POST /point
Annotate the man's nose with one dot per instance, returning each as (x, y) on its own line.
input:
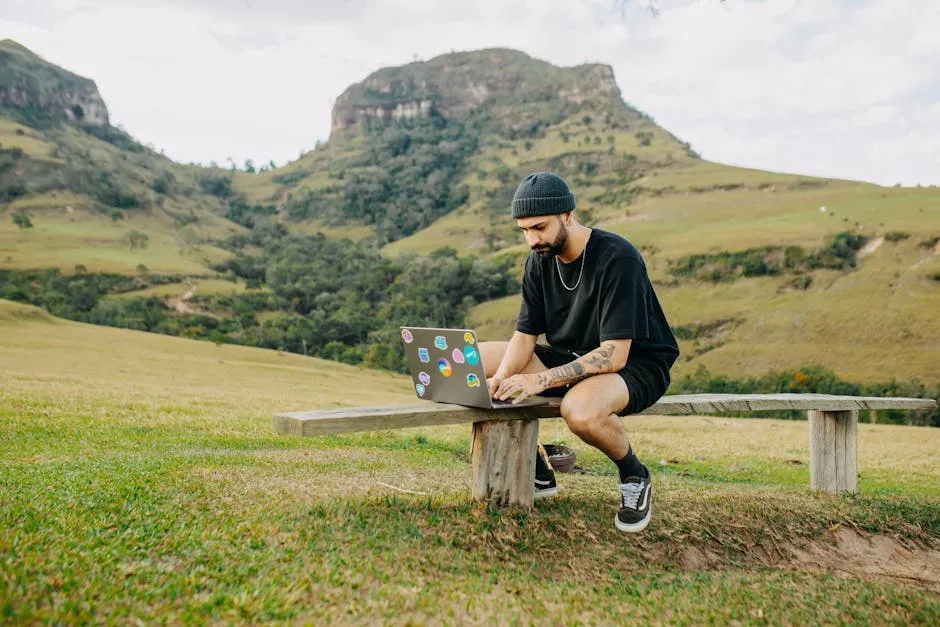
(531, 239)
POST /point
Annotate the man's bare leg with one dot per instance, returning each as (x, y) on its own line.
(491, 353)
(590, 409)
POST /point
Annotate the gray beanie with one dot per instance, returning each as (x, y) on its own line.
(540, 194)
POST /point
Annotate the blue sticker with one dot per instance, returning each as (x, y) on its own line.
(440, 342)
(419, 388)
(473, 357)
(423, 355)
(473, 380)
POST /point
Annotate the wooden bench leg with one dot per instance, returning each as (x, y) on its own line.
(503, 461)
(833, 450)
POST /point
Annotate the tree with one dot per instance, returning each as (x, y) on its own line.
(136, 239)
(21, 220)
(249, 166)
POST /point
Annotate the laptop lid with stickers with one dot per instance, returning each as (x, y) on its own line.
(446, 367)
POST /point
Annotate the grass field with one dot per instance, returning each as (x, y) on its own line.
(140, 480)
(64, 238)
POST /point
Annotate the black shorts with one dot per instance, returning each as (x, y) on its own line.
(646, 382)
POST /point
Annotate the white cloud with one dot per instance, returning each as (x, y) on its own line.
(812, 86)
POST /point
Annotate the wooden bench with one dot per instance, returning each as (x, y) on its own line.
(504, 441)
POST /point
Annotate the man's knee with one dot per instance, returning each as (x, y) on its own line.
(580, 413)
(592, 401)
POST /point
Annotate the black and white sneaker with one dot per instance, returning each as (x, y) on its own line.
(636, 505)
(545, 484)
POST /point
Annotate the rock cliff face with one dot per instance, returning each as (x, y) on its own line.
(456, 84)
(28, 82)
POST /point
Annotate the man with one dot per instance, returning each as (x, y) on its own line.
(609, 349)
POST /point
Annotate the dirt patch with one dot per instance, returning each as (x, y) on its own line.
(871, 247)
(874, 555)
(181, 304)
(845, 551)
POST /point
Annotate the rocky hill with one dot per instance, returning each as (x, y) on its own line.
(83, 192)
(30, 87)
(452, 135)
(509, 86)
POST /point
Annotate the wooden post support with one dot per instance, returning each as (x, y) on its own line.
(503, 461)
(833, 450)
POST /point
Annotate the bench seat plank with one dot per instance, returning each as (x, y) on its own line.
(714, 403)
(425, 413)
(379, 417)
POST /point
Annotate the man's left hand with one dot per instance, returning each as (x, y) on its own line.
(519, 387)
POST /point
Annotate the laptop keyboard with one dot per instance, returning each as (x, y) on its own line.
(530, 402)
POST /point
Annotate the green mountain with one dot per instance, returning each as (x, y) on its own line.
(94, 195)
(757, 270)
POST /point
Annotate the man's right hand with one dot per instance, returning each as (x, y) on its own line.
(492, 384)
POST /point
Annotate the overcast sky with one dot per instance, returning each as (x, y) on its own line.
(841, 88)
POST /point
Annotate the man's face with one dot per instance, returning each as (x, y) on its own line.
(546, 235)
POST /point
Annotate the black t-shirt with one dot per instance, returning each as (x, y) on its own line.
(614, 301)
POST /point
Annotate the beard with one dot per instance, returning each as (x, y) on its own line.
(553, 249)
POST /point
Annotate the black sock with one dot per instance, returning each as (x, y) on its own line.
(630, 466)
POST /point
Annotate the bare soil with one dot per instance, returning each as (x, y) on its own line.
(844, 551)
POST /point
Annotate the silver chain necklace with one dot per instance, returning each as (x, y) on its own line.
(580, 274)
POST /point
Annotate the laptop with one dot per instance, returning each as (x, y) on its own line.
(446, 368)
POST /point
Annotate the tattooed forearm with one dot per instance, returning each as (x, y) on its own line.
(600, 358)
(598, 361)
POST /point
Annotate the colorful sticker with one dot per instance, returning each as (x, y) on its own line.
(440, 342)
(473, 380)
(468, 337)
(444, 366)
(458, 356)
(407, 336)
(424, 378)
(423, 355)
(473, 357)
(419, 388)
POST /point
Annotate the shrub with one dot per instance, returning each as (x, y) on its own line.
(896, 236)
(114, 136)
(135, 239)
(163, 183)
(289, 178)
(219, 185)
(22, 221)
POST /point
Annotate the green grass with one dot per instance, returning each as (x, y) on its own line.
(16, 135)
(64, 239)
(140, 479)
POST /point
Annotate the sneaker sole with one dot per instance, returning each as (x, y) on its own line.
(634, 527)
(542, 494)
